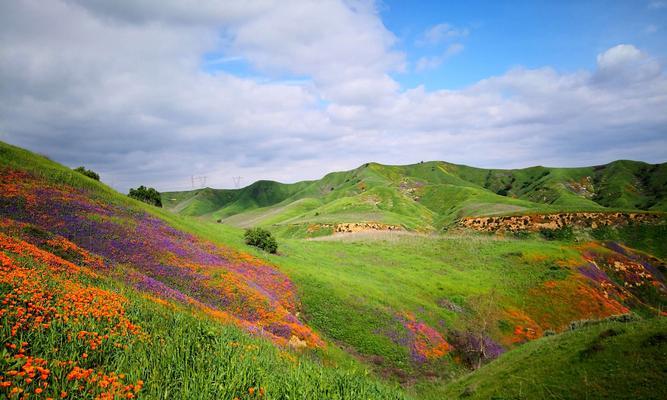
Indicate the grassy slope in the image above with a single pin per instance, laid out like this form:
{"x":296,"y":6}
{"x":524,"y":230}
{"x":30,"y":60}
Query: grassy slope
{"x":431,"y":195}
{"x":189,"y":354}
{"x":355,"y":290}
{"x":605,"y":361}
{"x":351,"y":291}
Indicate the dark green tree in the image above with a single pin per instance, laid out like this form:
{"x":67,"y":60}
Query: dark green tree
{"x":261,"y":238}
{"x":88,"y":172}
{"x":147,"y":195}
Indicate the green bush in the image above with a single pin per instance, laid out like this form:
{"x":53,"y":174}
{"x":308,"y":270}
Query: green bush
{"x":88,"y":172}
{"x":261,"y":238}
{"x":564,"y":233}
{"x":147,"y":195}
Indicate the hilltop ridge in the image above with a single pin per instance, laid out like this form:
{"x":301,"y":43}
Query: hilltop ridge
{"x":430,"y":195}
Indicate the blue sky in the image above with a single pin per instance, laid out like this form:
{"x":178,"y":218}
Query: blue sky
{"x":152,"y":92}
{"x":566,"y":35}
{"x":495,"y":36}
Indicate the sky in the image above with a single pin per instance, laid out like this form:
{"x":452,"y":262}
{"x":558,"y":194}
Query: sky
{"x":153,"y":92}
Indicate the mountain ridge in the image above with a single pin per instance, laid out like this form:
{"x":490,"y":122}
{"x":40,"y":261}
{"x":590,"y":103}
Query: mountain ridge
{"x":428,"y":196}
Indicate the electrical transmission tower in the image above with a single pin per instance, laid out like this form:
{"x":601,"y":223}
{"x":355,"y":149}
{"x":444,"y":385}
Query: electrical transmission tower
{"x":201,"y":181}
{"x":237,"y":181}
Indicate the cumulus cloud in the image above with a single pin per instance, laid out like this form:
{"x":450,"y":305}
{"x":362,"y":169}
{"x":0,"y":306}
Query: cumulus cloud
{"x":624,"y":64}
{"x":120,"y":87}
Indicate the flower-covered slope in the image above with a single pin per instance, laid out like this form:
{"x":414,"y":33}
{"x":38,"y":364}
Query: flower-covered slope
{"x":151,"y":255}
{"x":43,"y":294}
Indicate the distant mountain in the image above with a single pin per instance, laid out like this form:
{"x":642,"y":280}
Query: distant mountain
{"x":430,"y":195}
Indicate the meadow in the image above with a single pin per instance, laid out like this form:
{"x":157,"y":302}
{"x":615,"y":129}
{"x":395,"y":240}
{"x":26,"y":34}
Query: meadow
{"x":365,"y":293}
{"x":86,"y":324}
{"x":106,"y":297}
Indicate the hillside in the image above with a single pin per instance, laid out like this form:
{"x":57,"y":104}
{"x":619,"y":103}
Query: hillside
{"x":428,"y":196}
{"x":97,"y":285}
{"x":608,"y":360}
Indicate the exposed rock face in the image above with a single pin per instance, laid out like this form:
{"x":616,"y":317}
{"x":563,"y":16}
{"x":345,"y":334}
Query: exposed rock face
{"x":365,"y":226}
{"x":536,"y":222}
{"x":356,"y":227}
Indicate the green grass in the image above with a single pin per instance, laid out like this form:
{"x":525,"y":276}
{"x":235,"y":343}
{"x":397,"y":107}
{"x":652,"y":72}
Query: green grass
{"x":610,"y":360}
{"x":371,"y":280}
{"x":189,"y":355}
{"x":186,"y":355}
{"x":353,"y":291}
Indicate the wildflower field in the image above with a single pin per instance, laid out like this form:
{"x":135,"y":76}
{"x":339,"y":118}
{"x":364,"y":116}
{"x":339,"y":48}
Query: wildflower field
{"x":102,"y":296}
{"x":102,"y":300}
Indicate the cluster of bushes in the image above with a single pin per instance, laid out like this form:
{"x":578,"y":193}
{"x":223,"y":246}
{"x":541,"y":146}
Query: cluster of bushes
{"x":473,"y":348}
{"x":564,"y":233}
{"x":147,"y":195}
{"x":88,"y":172}
{"x":261,"y":238}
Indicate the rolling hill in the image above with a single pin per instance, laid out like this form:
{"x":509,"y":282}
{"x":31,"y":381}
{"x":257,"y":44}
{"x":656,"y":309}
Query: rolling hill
{"x":428,"y":196}
{"x":96,"y":286}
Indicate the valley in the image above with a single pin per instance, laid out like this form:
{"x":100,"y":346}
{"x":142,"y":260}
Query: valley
{"x":410,"y":307}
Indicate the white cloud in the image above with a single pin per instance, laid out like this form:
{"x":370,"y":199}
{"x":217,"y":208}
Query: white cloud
{"x":426,"y":63}
{"x":625,"y":64}
{"x":441,"y":33}
{"x":619,"y":55}
{"x":119,"y":87}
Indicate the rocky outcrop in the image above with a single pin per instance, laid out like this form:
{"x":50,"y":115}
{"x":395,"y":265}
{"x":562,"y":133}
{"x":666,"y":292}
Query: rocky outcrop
{"x":554,"y":221}
{"x":365,"y":226}
{"x":355,"y":227}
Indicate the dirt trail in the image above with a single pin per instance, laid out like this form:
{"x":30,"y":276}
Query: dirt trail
{"x":368,"y":235}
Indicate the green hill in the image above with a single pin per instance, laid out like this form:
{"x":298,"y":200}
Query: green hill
{"x":608,"y":360}
{"x":96,"y":286}
{"x":103,"y":296}
{"x":429,"y":196}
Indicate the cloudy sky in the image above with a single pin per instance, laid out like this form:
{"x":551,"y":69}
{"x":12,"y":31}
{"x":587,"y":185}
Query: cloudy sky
{"x":155,"y":91}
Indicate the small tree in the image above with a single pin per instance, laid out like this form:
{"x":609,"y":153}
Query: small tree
{"x":475,"y":345}
{"x":261,"y":238}
{"x":147,"y":195}
{"x":88,"y":172}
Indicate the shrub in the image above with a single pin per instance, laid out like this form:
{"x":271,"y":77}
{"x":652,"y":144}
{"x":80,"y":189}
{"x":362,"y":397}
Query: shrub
{"x":564,"y":233}
{"x":521,"y":234}
{"x":147,"y":195}
{"x":474,"y":349}
{"x":261,"y":238}
{"x":88,"y":172}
